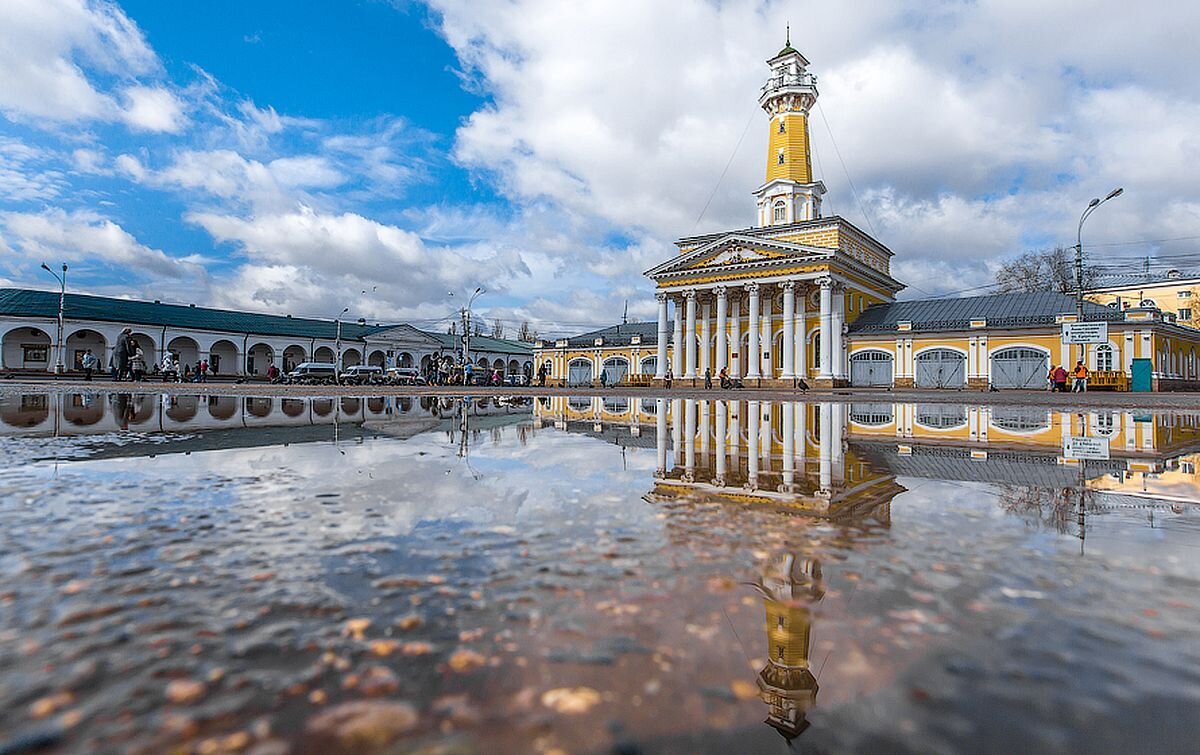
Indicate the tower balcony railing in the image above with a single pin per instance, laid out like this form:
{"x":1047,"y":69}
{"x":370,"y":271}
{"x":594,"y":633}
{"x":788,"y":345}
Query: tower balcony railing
{"x":789,"y":80}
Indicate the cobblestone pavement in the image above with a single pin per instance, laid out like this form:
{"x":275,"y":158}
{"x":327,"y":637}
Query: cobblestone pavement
{"x":1073,"y":401}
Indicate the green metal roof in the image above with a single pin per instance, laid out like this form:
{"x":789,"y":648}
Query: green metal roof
{"x":19,"y":302}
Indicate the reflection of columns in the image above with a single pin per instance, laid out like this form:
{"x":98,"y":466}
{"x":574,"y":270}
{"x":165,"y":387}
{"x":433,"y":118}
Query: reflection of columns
{"x":722,"y":441}
{"x":765,"y":436}
{"x":705,"y":418}
{"x":752,"y":327}
{"x":800,"y":348}
{"x":722,"y":324}
{"x":837,"y":448}
{"x":689,"y":335}
{"x":789,"y":330}
{"x":736,"y":360}
{"x":677,"y":343}
{"x":752,"y":421}
{"x":766,"y":343}
{"x":735,"y":431}
{"x":789,"y":442}
{"x":705,"y":337}
{"x":826,"y":473}
{"x":826,"y":328}
{"x":677,"y":431}
{"x":802,"y":436}
{"x":689,"y":440}
{"x":660,"y":369}
{"x":837,"y":325}
{"x":660,"y":434}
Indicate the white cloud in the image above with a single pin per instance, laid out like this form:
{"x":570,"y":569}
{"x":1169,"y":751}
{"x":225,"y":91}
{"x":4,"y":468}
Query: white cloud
{"x":153,"y":109}
{"x":24,"y":175}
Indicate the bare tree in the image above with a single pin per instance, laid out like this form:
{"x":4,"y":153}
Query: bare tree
{"x":526,"y":333}
{"x":453,"y":329}
{"x":477,"y":327}
{"x":497,"y":328}
{"x":1052,"y":270}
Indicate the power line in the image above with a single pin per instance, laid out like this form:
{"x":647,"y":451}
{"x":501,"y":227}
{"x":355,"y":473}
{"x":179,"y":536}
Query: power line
{"x":849,"y":180}
{"x":745,"y":129}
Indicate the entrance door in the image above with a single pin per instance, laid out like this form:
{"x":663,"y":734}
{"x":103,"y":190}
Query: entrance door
{"x":871,"y":368}
{"x":1143,"y":370}
{"x":1020,"y":368}
{"x":941,"y":368}
{"x":579,"y":373}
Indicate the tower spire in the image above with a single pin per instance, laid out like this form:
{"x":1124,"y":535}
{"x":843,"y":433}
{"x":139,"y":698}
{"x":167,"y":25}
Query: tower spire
{"x":788,"y":36}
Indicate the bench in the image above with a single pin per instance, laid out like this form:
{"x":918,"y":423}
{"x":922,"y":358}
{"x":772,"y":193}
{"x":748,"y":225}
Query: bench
{"x":1108,"y":380}
{"x":640,"y":381}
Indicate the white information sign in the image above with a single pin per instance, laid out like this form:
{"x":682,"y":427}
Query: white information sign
{"x":1085,"y":332}
{"x":1085,"y":448}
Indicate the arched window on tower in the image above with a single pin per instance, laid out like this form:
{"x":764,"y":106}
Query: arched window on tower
{"x":782,"y":126}
{"x":780,"y":212}
{"x":781,"y":157}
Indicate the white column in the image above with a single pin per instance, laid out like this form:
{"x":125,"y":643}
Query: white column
{"x":736,"y":360}
{"x":752,"y":351}
{"x":826,"y":469}
{"x":801,"y":335}
{"x":705,"y":337}
{"x":722,"y":323}
{"x":837,"y":324}
{"x":789,"y":441}
{"x":722,"y":441}
{"x":677,"y":343}
{"x":677,"y":431}
{"x":660,"y":369}
{"x":689,"y":335}
{"x":789,"y":331}
{"x":826,"y":329}
{"x":766,"y":341}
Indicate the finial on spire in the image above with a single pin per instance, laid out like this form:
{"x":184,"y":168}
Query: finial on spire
{"x":788,"y":36}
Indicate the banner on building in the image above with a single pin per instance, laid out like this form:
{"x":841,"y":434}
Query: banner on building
{"x":1085,"y":332}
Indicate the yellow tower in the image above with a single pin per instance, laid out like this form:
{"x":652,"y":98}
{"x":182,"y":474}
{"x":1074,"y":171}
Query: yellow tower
{"x":789,"y":194}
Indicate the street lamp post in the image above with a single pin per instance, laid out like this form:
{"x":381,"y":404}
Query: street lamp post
{"x":1087,"y":213}
{"x":337,"y":357}
{"x":59,"y":366}
{"x":466,"y":316}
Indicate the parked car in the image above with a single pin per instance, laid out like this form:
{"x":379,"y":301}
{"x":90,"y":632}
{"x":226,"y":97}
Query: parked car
{"x":404,"y":376}
{"x":313,"y":373}
{"x":362,"y":374}
{"x":517,"y":379}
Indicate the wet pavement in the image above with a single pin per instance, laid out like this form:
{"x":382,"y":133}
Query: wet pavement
{"x":576,"y":574}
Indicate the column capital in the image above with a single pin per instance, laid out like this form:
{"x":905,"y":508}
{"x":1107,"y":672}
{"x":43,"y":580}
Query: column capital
{"x":789,"y":286}
{"x":690,"y":294}
{"x":825,"y":282}
{"x":661,"y":297}
{"x":752,"y":289}
{"x":720,"y":291}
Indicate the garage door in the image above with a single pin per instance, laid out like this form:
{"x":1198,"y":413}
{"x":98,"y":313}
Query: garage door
{"x":941,"y":368}
{"x":579,"y":373}
{"x":1020,"y":368}
{"x":871,"y":368}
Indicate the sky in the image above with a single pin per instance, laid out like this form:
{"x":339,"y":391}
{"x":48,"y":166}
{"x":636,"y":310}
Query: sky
{"x":301,"y":157}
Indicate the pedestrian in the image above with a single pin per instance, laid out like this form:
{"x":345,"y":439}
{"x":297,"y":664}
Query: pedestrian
{"x":203,"y":370}
{"x":89,"y":365}
{"x":668,"y":377}
{"x":1050,"y":378}
{"x":137,"y":365}
{"x":1081,"y":377}
{"x":1060,"y":379}
{"x":131,"y":348}
{"x":707,"y":378}
{"x":603,"y":379}
{"x":542,"y":375}
{"x":119,"y":364}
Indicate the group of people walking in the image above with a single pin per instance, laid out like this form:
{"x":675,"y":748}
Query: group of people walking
{"x":1057,"y":378}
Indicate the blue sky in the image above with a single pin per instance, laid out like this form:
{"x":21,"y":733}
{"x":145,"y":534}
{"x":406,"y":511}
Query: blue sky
{"x":306,"y":156}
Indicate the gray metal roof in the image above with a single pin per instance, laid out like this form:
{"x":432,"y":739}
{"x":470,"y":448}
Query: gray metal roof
{"x":619,"y":335}
{"x":1030,"y":309}
{"x":1181,"y":277}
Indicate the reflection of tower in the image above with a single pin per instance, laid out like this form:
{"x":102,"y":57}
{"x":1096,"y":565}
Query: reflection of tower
{"x":789,"y":587}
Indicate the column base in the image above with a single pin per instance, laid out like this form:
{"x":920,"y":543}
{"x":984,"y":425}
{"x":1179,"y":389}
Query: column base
{"x":978,"y":383}
{"x":829,"y":383}
{"x":903,"y":382}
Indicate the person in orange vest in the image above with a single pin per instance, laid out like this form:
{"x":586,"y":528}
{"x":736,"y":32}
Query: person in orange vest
{"x":1080,"y":373}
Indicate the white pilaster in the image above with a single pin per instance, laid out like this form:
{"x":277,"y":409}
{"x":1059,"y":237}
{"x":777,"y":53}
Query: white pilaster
{"x":766,"y":341}
{"x":689,"y":335}
{"x":736,"y":360}
{"x":801,"y":333}
{"x":838,"y":326}
{"x":660,"y":369}
{"x":705,"y":336}
{"x":825,"y":371}
{"x":752,"y":328}
{"x":722,"y":323}
{"x":677,"y":343}
{"x":789,"y":331}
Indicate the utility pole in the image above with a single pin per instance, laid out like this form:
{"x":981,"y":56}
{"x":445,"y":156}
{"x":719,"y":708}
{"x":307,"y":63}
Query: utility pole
{"x":1096,"y":202}
{"x":60,"y":366}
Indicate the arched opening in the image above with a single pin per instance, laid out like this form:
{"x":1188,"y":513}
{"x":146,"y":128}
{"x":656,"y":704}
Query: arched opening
{"x":814,"y":351}
{"x":871,"y":415}
{"x":185,"y":351}
{"x":614,"y":370}
{"x":498,"y":365}
{"x":579,"y":403}
{"x":579,"y":372}
{"x":649,"y":365}
{"x":149,"y":353}
{"x":351,"y":357}
{"x":426,"y":364}
{"x":259,"y":406}
{"x":351,"y":406}
{"x":27,"y":349}
{"x":183,"y":408}
{"x":615,"y":404}
{"x":78,"y":344}
{"x":82,"y":409}
{"x":528,"y":368}
{"x":1020,"y":367}
{"x":649,"y":406}
{"x":1106,"y":357}
{"x":222,"y":407}
{"x":322,"y":406}
{"x":30,"y":411}
{"x":259,"y":359}
{"x":406,"y":360}
{"x":140,"y":408}
{"x":941,"y":368}
{"x":1020,"y":419}
{"x":376,"y":358}
{"x":514,"y":367}
{"x":223,"y":357}
{"x":292,"y":407}
{"x":292,"y":356}
{"x":376,"y":405}
{"x":871,"y":368}
{"x":324,"y":355}
{"x":482,"y":362}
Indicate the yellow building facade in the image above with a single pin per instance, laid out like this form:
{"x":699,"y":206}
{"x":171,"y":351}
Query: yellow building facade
{"x":803,"y":297}
{"x":1176,"y":294}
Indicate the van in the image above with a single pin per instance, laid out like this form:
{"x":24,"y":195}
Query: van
{"x":313,"y":373}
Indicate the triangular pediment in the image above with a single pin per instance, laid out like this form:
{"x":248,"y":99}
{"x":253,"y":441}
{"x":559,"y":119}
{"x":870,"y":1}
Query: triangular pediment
{"x":736,"y":252}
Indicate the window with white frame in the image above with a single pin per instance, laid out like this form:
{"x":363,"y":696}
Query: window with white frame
{"x":781,"y":159}
{"x":782,"y":127}
{"x":1185,"y":314}
{"x":1104,"y":357}
{"x":780,"y":211}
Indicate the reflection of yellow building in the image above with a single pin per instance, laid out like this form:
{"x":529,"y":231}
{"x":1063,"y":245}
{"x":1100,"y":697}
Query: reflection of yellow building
{"x":802,"y":296}
{"x":789,"y":587}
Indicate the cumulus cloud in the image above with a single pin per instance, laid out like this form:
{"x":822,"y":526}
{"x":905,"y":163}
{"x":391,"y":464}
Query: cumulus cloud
{"x":45,"y":47}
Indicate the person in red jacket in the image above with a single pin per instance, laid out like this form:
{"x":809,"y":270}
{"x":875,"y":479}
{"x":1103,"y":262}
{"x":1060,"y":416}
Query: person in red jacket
{"x":1060,"y":379}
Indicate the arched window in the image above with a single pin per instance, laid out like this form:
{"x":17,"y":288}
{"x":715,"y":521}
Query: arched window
{"x":1149,"y":303}
{"x":782,"y":127}
{"x":780,"y":212}
{"x":1104,"y":357}
{"x":781,"y":159}
{"x":816,"y":353}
